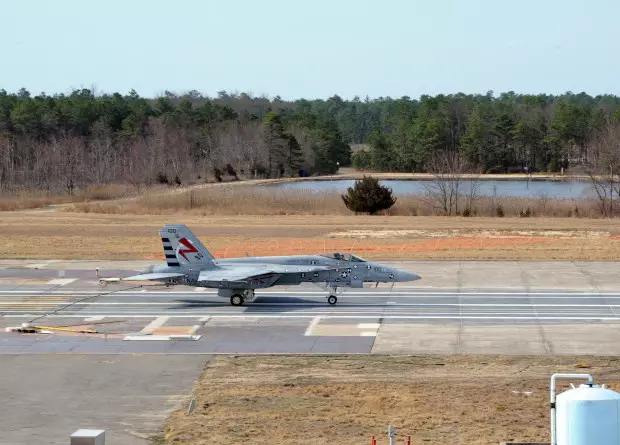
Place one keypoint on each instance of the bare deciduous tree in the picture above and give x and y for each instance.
(446, 188)
(604, 169)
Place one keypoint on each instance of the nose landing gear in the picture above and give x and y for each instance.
(331, 298)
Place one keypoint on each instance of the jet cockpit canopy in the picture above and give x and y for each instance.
(341, 256)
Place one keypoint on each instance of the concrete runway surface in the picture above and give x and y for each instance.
(457, 308)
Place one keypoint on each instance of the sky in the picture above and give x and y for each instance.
(311, 49)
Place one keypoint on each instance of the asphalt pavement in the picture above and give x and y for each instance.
(457, 308)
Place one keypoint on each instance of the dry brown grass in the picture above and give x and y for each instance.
(32, 199)
(468, 400)
(62, 235)
(224, 199)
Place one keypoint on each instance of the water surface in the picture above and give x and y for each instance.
(514, 188)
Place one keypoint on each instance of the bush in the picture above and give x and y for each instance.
(368, 196)
(218, 174)
(468, 212)
(258, 170)
(499, 211)
(162, 178)
(231, 171)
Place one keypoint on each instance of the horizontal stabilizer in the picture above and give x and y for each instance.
(152, 276)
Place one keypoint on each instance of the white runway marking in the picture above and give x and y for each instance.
(368, 325)
(315, 304)
(157, 323)
(311, 326)
(36, 266)
(61, 281)
(328, 315)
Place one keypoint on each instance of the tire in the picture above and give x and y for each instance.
(332, 299)
(236, 300)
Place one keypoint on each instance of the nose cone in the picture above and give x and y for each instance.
(407, 276)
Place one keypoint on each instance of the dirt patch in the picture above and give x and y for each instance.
(319, 246)
(467, 233)
(473, 400)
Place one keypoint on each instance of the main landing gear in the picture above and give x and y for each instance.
(238, 298)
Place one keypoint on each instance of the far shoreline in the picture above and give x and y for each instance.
(535, 177)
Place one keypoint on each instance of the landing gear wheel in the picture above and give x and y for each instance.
(236, 300)
(332, 299)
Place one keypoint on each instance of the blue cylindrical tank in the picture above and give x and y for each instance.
(588, 415)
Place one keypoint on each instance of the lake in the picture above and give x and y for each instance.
(516, 188)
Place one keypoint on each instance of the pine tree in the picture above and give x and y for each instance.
(368, 196)
(295, 155)
(275, 139)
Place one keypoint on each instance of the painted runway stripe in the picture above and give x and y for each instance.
(312, 325)
(555, 296)
(157, 323)
(369, 292)
(309, 310)
(392, 305)
(332, 316)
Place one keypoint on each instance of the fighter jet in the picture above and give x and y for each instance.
(189, 263)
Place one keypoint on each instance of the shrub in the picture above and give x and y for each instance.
(499, 211)
(218, 174)
(162, 178)
(368, 196)
(258, 170)
(231, 171)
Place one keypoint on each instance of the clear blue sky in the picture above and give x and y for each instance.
(311, 48)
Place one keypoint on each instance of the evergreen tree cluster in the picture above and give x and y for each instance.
(99, 138)
(84, 139)
(368, 196)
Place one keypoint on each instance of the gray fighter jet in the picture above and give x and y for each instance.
(190, 263)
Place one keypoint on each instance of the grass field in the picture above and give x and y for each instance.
(257, 200)
(232, 219)
(466, 400)
(64, 235)
(33, 199)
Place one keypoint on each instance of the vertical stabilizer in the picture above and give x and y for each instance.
(182, 248)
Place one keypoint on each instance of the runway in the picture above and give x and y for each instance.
(365, 321)
(463, 316)
(403, 303)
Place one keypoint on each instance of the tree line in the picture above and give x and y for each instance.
(65, 141)
(82, 138)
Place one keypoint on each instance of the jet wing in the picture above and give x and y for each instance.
(242, 272)
(152, 276)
